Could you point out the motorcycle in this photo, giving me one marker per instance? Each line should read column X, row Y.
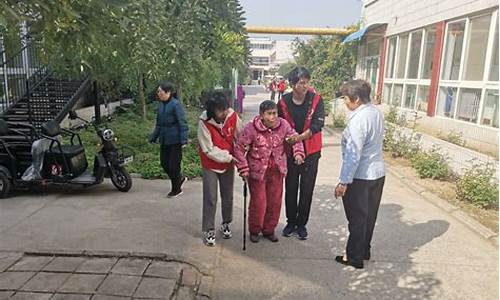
column 52, row 162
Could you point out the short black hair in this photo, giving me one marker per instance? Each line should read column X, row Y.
column 216, row 100
column 356, row 88
column 297, row 73
column 168, row 86
column 267, row 105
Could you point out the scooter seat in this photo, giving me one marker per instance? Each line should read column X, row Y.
column 68, row 150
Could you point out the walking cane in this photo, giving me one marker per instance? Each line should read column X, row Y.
column 244, row 214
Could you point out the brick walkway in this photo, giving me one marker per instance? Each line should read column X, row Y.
column 98, row 277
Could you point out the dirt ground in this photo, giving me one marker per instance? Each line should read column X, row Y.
column 446, row 190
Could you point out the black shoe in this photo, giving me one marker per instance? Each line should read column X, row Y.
column 272, row 237
column 302, row 233
column 348, row 262
column 254, row 238
column 174, row 194
column 289, row 230
column 367, row 256
column 183, row 179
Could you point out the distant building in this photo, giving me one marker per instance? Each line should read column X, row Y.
column 267, row 55
column 438, row 58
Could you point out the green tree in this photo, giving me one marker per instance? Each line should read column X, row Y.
column 329, row 60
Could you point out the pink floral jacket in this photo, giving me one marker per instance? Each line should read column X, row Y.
column 256, row 144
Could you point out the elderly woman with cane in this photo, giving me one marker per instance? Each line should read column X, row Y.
column 362, row 173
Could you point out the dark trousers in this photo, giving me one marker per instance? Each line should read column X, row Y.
column 361, row 203
column 300, row 181
column 170, row 159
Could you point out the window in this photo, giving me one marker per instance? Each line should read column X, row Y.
column 397, row 94
column 416, row 43
column 477, row 45
column 403, row 47
column 391, row 53
column 490, row 109
column 447, row 101
column 423, row 98
column 430, row 41
column 453, row 52
column 468, row 105
column 410, row 95
column 386, row 96
column 494, row 60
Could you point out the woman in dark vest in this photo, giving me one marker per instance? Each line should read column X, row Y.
column 303, row 108
column 172, row 132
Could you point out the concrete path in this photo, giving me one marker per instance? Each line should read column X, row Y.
column 419, row 250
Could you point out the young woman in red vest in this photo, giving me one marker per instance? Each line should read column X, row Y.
column 303, row 108
column 217, row 130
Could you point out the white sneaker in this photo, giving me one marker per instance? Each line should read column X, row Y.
column 209, row 238
column 226, row 231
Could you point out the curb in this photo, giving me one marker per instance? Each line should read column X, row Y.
column 451, row 209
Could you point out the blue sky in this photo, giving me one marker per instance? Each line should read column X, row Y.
column 301, row 13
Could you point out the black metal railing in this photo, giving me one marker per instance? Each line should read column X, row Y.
column 19, row 74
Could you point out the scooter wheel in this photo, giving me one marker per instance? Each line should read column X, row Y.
column 121, row 179
column 5, row 185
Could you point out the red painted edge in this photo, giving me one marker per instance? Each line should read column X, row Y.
column 436, row 66
column 380, row 86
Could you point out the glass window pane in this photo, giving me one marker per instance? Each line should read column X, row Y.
column 494, row 60
column 411, row 94
column 416, row 42
column 490, row 109
column 386, row 96
column 397, row 94
column 478, row 40
column 391, row 52
column 453, row 52
column 423, row 98
column 468, row 105
column 403, row 48
column 430, row 41
column 447, row 101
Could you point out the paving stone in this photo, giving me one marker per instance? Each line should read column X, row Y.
column 31, row 296
column 82, row 283
column 7, row 259
column 5, row 295
column 185, row 293
column 31, row 263
column 155, row 288
column 119, row 285
column 64, row 264
column 189, row 276
column 70, row 297
column 205, row 285
column 164, row 269
column 97, row 265
column 14, row 280
column 104, row 297
column 127, row 266
column 45, row 282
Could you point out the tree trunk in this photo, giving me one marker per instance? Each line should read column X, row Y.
column 142, row 98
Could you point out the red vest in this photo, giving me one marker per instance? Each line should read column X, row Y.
column 315, row 142
column 223, row 139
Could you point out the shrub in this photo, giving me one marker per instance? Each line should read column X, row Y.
column 431, row 164
column 479, row 186
column 453, row 137
column 401, row 143
column 339, row 120
column 392, row 115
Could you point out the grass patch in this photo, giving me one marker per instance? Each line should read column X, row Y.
column 133, row 131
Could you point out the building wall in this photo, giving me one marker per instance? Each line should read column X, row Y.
column 404, row 15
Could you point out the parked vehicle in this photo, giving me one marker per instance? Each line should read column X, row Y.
column 52, row 162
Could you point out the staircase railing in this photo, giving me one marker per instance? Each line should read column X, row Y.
column 19, row 74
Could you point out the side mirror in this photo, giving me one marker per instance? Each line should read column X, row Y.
column 72, row 115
